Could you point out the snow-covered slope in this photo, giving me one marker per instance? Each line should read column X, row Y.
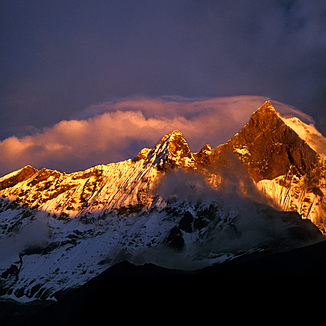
column 98, row 189
column 167, row 206
column 59, row 230
column 285, row 157
column 308, row 133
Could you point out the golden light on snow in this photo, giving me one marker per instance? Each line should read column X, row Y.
column 105, row 133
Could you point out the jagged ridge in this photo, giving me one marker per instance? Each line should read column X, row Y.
column 92, row 219
column 267, row 146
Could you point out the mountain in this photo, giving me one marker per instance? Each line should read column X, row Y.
column 268, row 147
column 281, row 156
column 258, row 193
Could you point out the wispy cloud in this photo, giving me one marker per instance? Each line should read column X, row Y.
column 114, row 131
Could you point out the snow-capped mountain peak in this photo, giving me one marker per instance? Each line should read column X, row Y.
column 172, row 150
column 285, row 157
column 268, row 146
column 59, row 230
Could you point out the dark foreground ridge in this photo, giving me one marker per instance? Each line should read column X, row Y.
column 137, row 289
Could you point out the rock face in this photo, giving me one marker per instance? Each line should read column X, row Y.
column 167, row 206
column 101, row 188
column 17, row 177
column 281, row 156
column 268, row 147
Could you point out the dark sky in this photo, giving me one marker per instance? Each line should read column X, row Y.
column 60, row 58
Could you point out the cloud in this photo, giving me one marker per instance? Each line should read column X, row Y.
column 190, row 48
column 118, row 130
column 238, row 218
column 34, row 234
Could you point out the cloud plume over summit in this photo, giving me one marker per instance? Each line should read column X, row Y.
column 118, row 130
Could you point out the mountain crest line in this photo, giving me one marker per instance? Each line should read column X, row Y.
column 261, row 191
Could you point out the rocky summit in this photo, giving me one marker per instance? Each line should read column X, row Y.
column 261, row 192
column 268, row 147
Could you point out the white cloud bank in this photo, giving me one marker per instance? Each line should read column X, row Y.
column 118, row 130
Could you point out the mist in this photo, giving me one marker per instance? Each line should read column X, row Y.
column 238, row 219
column 34, row 234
